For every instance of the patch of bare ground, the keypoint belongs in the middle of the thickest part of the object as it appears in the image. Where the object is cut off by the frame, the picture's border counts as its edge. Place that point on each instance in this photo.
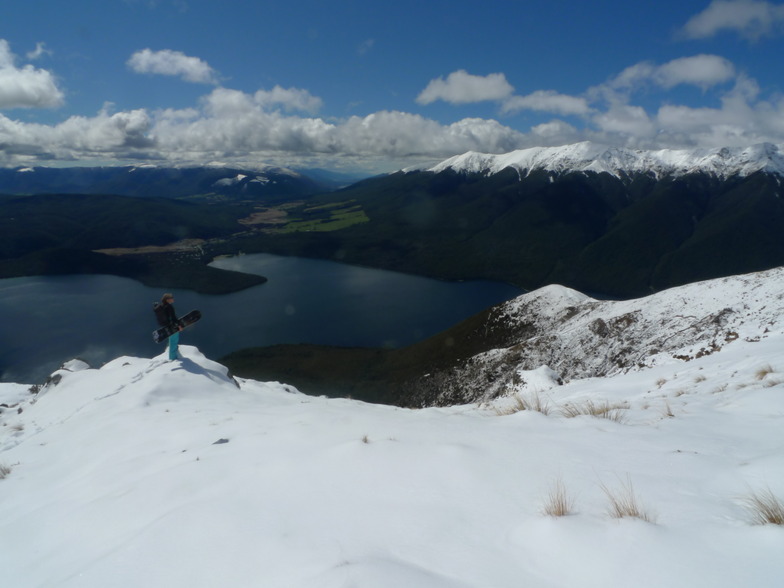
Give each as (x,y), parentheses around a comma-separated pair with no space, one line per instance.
(184,245)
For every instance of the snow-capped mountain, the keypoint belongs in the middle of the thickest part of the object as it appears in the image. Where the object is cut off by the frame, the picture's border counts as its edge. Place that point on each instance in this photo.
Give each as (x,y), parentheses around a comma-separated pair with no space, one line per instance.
(722,163)
(162,474)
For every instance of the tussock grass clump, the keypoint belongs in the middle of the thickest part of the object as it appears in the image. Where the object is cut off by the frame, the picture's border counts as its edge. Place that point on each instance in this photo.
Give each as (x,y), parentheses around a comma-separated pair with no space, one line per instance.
(624,503)
(604,410)
(765,507)
(4,471)
(763,372)
(520,403)
(558,502)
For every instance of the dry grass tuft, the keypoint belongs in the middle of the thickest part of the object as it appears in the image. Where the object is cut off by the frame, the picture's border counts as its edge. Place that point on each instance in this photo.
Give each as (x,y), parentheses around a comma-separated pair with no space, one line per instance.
(763,372)
(765,507)
(558,503)
(4,471)
(520,403)
(604,410)
(624,503)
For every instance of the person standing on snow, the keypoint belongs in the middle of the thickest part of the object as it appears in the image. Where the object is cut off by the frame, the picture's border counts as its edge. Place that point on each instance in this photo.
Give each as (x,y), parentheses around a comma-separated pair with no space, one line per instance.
(167,302)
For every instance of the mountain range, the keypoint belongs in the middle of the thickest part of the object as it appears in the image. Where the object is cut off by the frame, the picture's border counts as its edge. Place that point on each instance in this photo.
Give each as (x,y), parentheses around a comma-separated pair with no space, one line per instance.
(168,182)
(722,163)
(617,222)
(613,222)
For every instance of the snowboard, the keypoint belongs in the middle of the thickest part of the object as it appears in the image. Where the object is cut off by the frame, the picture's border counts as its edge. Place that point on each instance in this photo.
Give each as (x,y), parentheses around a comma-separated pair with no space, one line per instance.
(164,332)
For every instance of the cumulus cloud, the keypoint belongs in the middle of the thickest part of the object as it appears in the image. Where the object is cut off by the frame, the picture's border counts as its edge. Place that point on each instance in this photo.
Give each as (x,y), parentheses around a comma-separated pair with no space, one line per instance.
(626,120)
(233,121)
(461,87)
(291,99)
(231,125)
(555,132)
(26,86)
(173,63)
(703,71)
(280,125)
(76,138)
(741,119)
(547,101)
(751,19)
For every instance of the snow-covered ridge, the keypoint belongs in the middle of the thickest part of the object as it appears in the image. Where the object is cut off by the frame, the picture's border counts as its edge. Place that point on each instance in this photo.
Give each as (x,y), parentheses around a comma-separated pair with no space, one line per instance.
(157,473)
(174,474)
(721,162)
(579,337)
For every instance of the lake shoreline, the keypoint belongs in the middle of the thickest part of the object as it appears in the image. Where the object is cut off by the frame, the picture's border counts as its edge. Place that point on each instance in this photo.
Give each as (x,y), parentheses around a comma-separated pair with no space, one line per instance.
(180,270)
(53,318)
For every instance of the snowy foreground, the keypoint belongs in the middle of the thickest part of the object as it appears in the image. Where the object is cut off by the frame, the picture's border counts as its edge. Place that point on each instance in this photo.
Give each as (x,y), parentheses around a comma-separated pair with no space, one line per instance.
(149,473)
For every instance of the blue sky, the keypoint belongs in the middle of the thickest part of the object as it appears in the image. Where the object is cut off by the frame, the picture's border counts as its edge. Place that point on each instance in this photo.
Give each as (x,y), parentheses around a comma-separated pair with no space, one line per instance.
(360,85)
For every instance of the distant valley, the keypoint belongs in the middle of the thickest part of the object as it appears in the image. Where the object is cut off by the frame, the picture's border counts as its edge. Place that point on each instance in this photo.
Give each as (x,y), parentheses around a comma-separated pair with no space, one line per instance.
(619,223)
(206,183)
(161,226)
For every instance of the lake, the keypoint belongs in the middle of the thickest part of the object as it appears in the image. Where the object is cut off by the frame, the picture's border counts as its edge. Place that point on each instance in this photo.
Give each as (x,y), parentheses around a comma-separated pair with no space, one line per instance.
(51,319)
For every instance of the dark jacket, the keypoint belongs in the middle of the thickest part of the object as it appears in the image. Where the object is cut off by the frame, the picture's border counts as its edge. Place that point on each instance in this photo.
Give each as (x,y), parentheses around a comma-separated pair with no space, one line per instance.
(168,311)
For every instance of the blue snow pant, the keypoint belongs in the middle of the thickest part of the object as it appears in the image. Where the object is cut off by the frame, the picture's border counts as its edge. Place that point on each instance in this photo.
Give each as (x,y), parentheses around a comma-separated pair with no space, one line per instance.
(174,341)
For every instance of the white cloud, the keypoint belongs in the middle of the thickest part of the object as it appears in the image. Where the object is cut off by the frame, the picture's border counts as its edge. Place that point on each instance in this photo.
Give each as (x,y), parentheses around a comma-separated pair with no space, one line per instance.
(741,119)
(232,121)
(291,99)
(25,87)
(703,71)
(173,63)
(626,120)
(749,18)
(40,50)
(233,125)
(547,101)
(279,125)
(555,132)
(78,137)
(461,87)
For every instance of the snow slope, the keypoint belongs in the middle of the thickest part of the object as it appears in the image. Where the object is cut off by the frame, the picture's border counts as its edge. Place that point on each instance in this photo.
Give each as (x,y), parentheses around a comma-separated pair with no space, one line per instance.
(174,474)
(587,156)
(579,337)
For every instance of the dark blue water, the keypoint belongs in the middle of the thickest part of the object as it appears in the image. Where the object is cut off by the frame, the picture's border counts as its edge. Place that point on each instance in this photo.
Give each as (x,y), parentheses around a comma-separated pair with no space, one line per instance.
(49,320)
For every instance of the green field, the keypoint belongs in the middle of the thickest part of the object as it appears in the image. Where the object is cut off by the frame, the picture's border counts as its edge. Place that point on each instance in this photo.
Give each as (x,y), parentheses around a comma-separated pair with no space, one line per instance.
(324,218)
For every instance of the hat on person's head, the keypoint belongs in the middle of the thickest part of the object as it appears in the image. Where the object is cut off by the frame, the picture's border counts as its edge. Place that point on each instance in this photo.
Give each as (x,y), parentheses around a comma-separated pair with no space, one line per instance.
(166,296)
